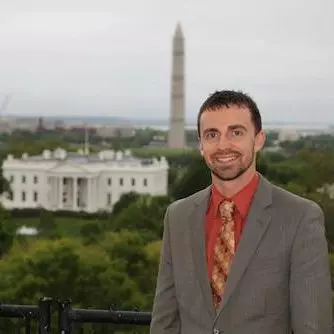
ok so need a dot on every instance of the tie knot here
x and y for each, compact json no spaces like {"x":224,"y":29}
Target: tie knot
{"x":226,"y":209}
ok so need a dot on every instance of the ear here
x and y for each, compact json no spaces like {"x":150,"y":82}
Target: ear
{"x":260,"y":140}
{"x":200,"y":147}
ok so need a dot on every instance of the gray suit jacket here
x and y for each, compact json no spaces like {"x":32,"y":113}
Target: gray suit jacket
{"x":279,"y":280}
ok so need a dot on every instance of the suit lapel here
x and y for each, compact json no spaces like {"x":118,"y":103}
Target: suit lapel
{"x":197,"y":232}
{"x":255,"y":227}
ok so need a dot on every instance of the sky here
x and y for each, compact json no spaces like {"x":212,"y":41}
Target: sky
{"x":113,"y":58}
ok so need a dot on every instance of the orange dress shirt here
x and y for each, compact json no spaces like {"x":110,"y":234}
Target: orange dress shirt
{"x":213,"y":222}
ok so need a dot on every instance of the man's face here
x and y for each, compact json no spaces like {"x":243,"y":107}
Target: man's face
{"x":228,"y":141}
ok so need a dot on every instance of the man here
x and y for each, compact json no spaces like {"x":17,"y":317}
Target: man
{"x":242,"y":256}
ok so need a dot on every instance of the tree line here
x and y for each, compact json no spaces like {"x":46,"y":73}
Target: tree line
{"x":111,"y":260}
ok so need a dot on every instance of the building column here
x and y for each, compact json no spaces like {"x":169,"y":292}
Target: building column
{"x":53,"y":186}
{"x":60,"y":194}
{"x":75,"y":194}
{"x":89,"y":195}
{"x":94,"y":194}
{"x":56,"y":192}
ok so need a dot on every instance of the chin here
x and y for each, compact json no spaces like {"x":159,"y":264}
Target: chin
{"x":226,"y":176}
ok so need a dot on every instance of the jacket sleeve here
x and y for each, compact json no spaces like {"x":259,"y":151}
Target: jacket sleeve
{"x":165,"y":313}
{"x":310,"y":280}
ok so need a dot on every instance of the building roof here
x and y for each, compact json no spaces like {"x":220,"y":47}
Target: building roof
{"x":107,"y":157}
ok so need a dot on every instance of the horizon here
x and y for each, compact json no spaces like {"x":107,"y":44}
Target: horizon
{"x":118,"y":120}
{"x":114,"y":62}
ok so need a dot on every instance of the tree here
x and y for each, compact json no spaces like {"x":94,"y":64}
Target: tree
{"x":124,"y":202}
{"x":4,"y":183}
{"x":6,"y":233}
{"x":44,"y":268}
{"x":91,"y":232}
{"x":196,"y":177}
{"x":128,"y":254}
{"x":145,"y":215}
{"x":318,"y":169}
{"x":47,"y":225}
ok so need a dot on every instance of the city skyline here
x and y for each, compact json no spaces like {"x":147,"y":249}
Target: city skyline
{"x":117,"y":62}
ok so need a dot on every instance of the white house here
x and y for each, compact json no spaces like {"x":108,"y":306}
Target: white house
{"x":62,"y":180}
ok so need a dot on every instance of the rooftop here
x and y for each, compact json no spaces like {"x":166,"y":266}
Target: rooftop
{"x":82,"y":158}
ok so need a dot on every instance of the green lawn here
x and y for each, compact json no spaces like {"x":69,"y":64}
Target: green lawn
{"x":67,"y":227}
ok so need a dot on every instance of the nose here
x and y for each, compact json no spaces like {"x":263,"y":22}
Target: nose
{"x":224,"y":142}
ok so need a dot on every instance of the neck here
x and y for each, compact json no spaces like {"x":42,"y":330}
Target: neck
{"x":230,"y":188}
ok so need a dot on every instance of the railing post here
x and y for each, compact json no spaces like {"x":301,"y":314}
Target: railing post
{"x":27,"y":325}
{"x":63,"y":316}
{"x":44,"y":315}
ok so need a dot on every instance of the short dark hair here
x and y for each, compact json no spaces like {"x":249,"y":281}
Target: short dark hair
{"x":227,"y":98}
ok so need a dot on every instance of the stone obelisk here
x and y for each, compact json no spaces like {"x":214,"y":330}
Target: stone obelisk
{"x":176,"y":136}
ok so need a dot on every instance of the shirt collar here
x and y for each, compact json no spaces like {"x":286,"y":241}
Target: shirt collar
{"x":242,"y":199}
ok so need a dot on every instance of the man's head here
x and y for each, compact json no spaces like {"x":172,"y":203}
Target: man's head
{"x":230,"y":134}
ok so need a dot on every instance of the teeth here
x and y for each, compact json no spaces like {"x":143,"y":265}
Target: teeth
{"x":227,"y":158}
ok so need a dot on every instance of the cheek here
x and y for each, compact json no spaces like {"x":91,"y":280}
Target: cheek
{"x":207,"y":151}
{"x":246,"y":149}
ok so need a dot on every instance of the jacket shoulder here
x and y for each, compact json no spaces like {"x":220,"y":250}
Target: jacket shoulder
{"x":292,"y":202}
{"x":187,"y":203}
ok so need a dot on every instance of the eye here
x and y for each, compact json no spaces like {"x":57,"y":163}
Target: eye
{"x":237,"y":133}
{"x":211,"y":135}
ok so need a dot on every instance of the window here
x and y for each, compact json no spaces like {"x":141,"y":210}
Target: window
{"x":109,"y":181}
{"x":11,"y":195}
{"x":133,"y":182}
{"x":145,"y":182}
{"x":11,"y":179}
{"x":64,"y":197}
{"x":108,"y":198}
{"x":23,"y":196}
{"x":121,"y":181}
{"x":35,"y":196}
{"x":23,"y":179}
{"x":35,"y":179}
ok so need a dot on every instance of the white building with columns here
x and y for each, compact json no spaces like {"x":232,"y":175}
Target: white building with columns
{"x":61,"y":180}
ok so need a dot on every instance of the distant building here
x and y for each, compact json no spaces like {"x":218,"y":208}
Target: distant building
{"x":62,"y":180}
{"x":288,"y":135}
{"x":115,"y":131}
{"x":31,"y":124}
{"x":5,"y":127}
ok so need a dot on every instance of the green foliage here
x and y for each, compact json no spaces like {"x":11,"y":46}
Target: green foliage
{"x":104,"y":259}
{"x":4,"y":183}
{"x":91,"y":232}
{"x":327,"y":204}
{"x":144,"y":215}
{"x":47,"y":226}
{"x":93,"y":276}
{"x":38,"y":212}
{"x":6,"y":234}
{"x":319,"y":142}
{"x":196,"y":177}
{"x":124,"y":202}
{"x":272,"y":137}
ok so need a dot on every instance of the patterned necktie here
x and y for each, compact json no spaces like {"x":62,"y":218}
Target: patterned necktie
{"x":223,"y":251}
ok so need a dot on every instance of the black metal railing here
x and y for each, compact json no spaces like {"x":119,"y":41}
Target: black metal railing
{"x":67,"y":316}
{"x":40,"y":313}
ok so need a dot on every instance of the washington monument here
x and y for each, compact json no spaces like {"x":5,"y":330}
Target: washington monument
{"x":176,"y":137}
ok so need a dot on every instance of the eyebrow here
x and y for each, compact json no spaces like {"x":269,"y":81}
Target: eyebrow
{"x":210,"y":130}
{"x":230,"y":127}
{"x":237,"y":126}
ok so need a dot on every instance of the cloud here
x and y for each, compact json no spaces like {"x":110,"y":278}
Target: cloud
{"x":114,"y":58}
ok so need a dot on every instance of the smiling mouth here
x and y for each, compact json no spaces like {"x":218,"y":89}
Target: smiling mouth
{"x":227,"y":158}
